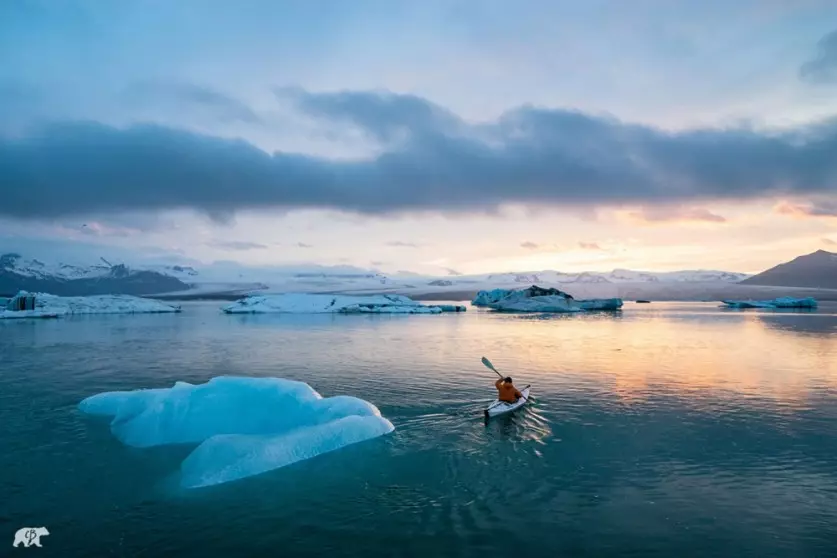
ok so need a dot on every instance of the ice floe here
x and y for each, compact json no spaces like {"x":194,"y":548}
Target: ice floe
{"x":244,"y":426}
{"x":781,"y":302}
{"x":43,"y":305}
{"x":306,"y":303}
{"x":537,"y":299}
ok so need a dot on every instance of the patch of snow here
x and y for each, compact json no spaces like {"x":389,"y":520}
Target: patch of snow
{"x":308,"y":303}
{"x":781,"y":302}
{"x":244,"y":426}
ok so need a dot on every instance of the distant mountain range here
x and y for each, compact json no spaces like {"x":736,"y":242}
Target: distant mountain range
{"x":815,"y":270}
{"x":17,"y":273}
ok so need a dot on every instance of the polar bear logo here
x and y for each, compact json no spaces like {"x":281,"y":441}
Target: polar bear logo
{"x":29,"y":536}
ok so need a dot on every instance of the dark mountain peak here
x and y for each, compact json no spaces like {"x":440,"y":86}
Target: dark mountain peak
{"x":817,"y":269}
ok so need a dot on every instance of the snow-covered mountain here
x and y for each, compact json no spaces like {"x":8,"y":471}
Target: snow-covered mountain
{"x":36,"y":269}
{"x":615,"y":276}
{"x":72,"y":279}
{"x":106,"y":276}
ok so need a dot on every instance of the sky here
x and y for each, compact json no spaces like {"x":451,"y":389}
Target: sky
{"x":441,"y":136}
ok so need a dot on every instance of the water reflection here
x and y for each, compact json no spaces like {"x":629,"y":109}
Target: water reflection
{"x":818,"y":325}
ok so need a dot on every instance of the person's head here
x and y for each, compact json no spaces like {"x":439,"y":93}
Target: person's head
{"x":507,"y":379}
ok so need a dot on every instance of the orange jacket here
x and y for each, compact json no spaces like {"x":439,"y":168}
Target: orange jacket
{"x":507,"y":392}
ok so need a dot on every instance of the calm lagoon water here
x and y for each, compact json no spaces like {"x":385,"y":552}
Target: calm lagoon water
{"x":668,"y":430}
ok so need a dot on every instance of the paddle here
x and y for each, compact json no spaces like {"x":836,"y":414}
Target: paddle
{"x":488,"y":364}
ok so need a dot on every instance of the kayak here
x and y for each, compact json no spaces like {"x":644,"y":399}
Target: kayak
{"x":502,"y":407}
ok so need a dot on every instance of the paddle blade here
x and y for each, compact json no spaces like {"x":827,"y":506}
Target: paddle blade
{"x":488,"y":364}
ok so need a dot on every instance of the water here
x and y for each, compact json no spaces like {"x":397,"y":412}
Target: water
{"x":665,"y":430}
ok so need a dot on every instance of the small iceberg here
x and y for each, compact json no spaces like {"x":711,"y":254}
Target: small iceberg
{"x":537,"y":299}
{"x":305,"y":303}
{"x":22,"y":314}
{"x":23,"y":306}
{"x":243,"y":426}
{"x":781,"y":302}
{"x":43,"y":305}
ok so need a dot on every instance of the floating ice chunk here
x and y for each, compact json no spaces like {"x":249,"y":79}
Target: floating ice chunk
{"x":244,"y":426}
{"x":305,"y":303}
{"x":226,"y":458}
{"x":781,"y":302}
{"x":484,"y":298}
{"x":536,"y":299}
{"x":18,"y":314}
{"x":49,"y":304}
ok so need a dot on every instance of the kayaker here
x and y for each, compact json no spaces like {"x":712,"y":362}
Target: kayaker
{"x":506,"y":390}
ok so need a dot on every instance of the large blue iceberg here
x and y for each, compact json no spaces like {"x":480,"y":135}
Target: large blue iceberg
{"x":781,"y":302}
{"x":537,"y":299}
{"x":244,"y":426}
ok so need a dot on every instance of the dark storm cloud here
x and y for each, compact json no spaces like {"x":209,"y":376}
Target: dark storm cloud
{"x":823,"y":67}
{"x":529,"y":156}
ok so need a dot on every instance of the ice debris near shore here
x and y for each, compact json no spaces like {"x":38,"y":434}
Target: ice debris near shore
{"x":537,"y":299}
{"x":43,"y":305}
{"x":304,"y":303}
{"x":781,"y":302}
{"x":243,"y":426}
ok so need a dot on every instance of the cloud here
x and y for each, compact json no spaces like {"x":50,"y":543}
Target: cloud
{"x":452,"y":272}
{"x":93,"y":228}
{"x":666,"y":214}
{"x":530,"y":156}
{"x":304,"y":245}
{"x":236,"y":245}
{"x":829,"y":242}
{"x":382,"y":115}
{"x":529,"y":245}
{"x":180,"y":95}
{"x":809,"y":209}
{"x":402,"y":244}
{"x":589,"y":246}
{"x":823,"y":67}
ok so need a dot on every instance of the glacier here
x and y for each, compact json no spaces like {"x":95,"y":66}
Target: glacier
{"x":49,"y":305}
{"x":243,"y":426}
{"x":776,"y":303}
{"x":308,"y":303}
{"x":537,"y":299}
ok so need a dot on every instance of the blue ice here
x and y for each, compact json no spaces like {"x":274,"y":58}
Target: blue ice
{"x":244,"y":426}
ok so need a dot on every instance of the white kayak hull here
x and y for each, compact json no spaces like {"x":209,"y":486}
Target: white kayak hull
{"x":502,"y":407}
